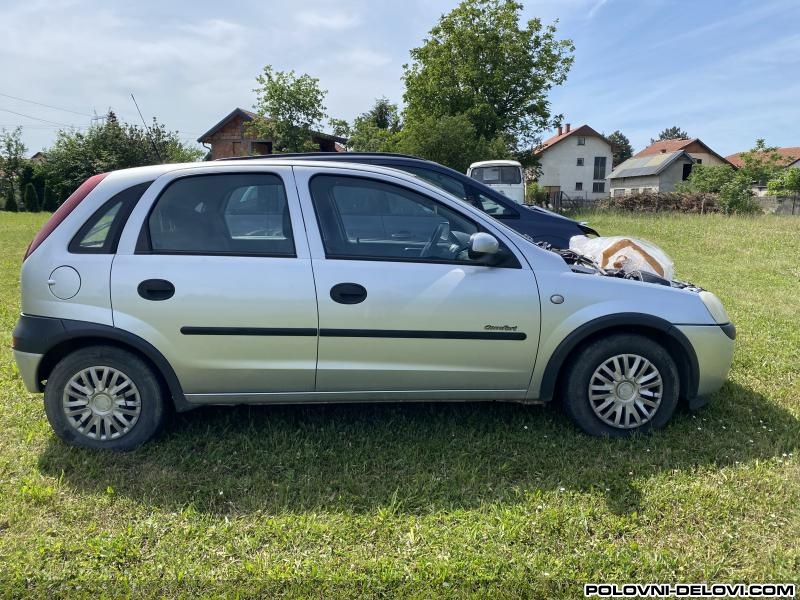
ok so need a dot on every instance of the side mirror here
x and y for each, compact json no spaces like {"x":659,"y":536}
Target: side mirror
{"x":482,"y":243}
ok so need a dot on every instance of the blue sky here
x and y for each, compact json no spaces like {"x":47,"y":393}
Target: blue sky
{"x":727,"y":71}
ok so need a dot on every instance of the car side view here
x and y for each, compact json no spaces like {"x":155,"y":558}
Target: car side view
{"x":297,"y":281}
{"x":535,"y":222}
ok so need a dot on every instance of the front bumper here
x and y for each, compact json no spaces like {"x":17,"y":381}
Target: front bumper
{"x":713,"y":345}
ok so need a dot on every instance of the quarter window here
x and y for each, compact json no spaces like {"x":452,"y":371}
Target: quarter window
{"x":240,"y":213}
{"x":367,"y":219}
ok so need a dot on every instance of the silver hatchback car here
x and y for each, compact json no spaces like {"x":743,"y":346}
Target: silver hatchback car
{"x":283,"y":281}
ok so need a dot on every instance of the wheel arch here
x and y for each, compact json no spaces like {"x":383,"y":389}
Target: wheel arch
{"x":659,"y":330}
{"x":79,"y":334}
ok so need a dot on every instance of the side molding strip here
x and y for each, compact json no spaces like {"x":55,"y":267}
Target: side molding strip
{"x":357,"y":333}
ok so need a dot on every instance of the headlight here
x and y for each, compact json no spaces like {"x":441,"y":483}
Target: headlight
{"x":715,"y":307}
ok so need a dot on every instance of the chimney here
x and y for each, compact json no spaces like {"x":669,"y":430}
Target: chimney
{"x":567,"y":130}
{"x":560,"y":130}
{"x":663,"y":151}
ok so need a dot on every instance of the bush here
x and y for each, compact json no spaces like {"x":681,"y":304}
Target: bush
{"x":653,"y":202}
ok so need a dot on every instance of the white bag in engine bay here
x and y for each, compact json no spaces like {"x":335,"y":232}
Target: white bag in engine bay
{"x":625,"y":254}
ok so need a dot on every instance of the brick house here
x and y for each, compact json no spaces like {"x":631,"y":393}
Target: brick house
{"x":230,"y":138}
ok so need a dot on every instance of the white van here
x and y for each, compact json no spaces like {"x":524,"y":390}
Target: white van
{"x":504,"y":175}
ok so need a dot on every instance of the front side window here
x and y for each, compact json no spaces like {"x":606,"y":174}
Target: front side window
{"x":504,"y":175}
{"x":367,"y":219}
{"x":237,"y":213}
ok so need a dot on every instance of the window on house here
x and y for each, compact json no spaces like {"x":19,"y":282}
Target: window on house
{"x":599,"y":167}
{"x":634,"y":190}
{"x":646,"y":190}
{"x":598,"y":187}
{"x":618,"y":191}
{"x":578,"y":186}
{"x":580,"y":162}
{"x":581,"y":140}
{"x":699,"y":161}
{"x":687,"y":170}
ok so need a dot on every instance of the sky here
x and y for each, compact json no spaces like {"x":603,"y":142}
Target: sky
{"x":726,"y":71}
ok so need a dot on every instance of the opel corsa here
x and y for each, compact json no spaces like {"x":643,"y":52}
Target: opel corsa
{"x":290,"y":281}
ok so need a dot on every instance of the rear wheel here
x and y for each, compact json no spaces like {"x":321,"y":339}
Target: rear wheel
{"x":620,"y":385}
{"x":104,"y":397}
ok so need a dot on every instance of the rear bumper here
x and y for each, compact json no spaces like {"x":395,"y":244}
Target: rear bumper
{"x":713,"y":345}
{"x":28,"y":365}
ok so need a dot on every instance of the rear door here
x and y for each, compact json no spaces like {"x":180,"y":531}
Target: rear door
{"x":213,"y":269}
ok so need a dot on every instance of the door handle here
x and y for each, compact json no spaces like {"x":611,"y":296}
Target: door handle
{"x":156,"y":289}
{"x":348,"y":293}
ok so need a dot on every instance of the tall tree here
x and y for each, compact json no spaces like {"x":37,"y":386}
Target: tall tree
{"x":31,"y":199}
{"x":49,"y":202}
{"x":377,"y":129}
{"x":480,"y":62}
{"x":620,"y":147}
{"x":12,"y":161}
{"x":289,"y":109}
{"x":671,"y":133}
{"x":785,"y":183}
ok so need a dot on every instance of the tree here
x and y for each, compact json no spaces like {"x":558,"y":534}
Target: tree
{"x":478,"y":63}
{"x":76,"y":156}
{"x":785,"y":183}
{"x":707,"y":179}
{"x":377,"y":129}
{"x":620,"y":147}
{"x":31,"y":198}
{"x":761,"y":163}
{"x":289,"y":109}
{"x":49,"y":203}
{"x":12,"y":152}
{"x":671,"y":133}
{"x":450,"y":140}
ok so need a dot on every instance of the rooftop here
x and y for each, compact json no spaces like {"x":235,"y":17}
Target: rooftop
{"x":790,"y":153}
{"x":651,"y":164}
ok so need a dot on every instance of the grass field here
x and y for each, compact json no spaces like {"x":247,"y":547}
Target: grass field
{"x":429,"y":500}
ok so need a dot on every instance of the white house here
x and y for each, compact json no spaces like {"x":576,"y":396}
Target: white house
{"x":575,"y":162}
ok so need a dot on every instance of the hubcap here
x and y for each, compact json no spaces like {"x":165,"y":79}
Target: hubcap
{"x":625,"y":391}
{"x":101,"y":403}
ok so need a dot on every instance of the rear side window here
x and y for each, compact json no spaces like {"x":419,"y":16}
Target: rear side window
{"x":100,"y":234}
{"x":237,"y":213}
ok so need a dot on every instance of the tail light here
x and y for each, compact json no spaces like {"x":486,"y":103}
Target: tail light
{"x":61,"y":213}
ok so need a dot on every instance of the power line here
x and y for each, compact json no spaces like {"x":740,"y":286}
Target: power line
{"x":43,"y":104}
{"x":13,"y":112}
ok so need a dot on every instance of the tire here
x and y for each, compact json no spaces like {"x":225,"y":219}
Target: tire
{"x":623,"y":392}
{"x":105,"y":412}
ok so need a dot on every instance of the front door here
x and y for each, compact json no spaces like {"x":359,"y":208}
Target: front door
{"x":402,"y":306}
{"x":215,"y":277}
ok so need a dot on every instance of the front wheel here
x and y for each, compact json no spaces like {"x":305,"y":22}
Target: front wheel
{"x":619,"y":385}
{"x":104,"y":397}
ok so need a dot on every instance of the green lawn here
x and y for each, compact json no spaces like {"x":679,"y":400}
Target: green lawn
{"x":429,"y":500}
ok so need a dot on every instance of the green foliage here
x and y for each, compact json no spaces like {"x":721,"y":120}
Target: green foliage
{"x":12,"y":152}
{"x":49,"y":201}
{"x":785,"y":183}
{"x":289,"y":108}
{"x":479,"y":63}
{"x":707,"y":179}
{"x":376,"y":130}
{"x":339,"y":127}
{"x":620,"y":147}
{"x":735,"y":197}
{"x":761,"y":163}
{"x":535,"y":194}
{"x":671,"y":133}
{"x":31,"y":199}
{"x":75,"y":155}
{"x":450,"y":140}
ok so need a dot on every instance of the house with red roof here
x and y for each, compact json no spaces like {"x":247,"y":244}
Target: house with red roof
{"x":700,"y":152}
{"x":575,"y":162}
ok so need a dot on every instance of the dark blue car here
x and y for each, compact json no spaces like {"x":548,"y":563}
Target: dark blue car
{"x":539,"y":224}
